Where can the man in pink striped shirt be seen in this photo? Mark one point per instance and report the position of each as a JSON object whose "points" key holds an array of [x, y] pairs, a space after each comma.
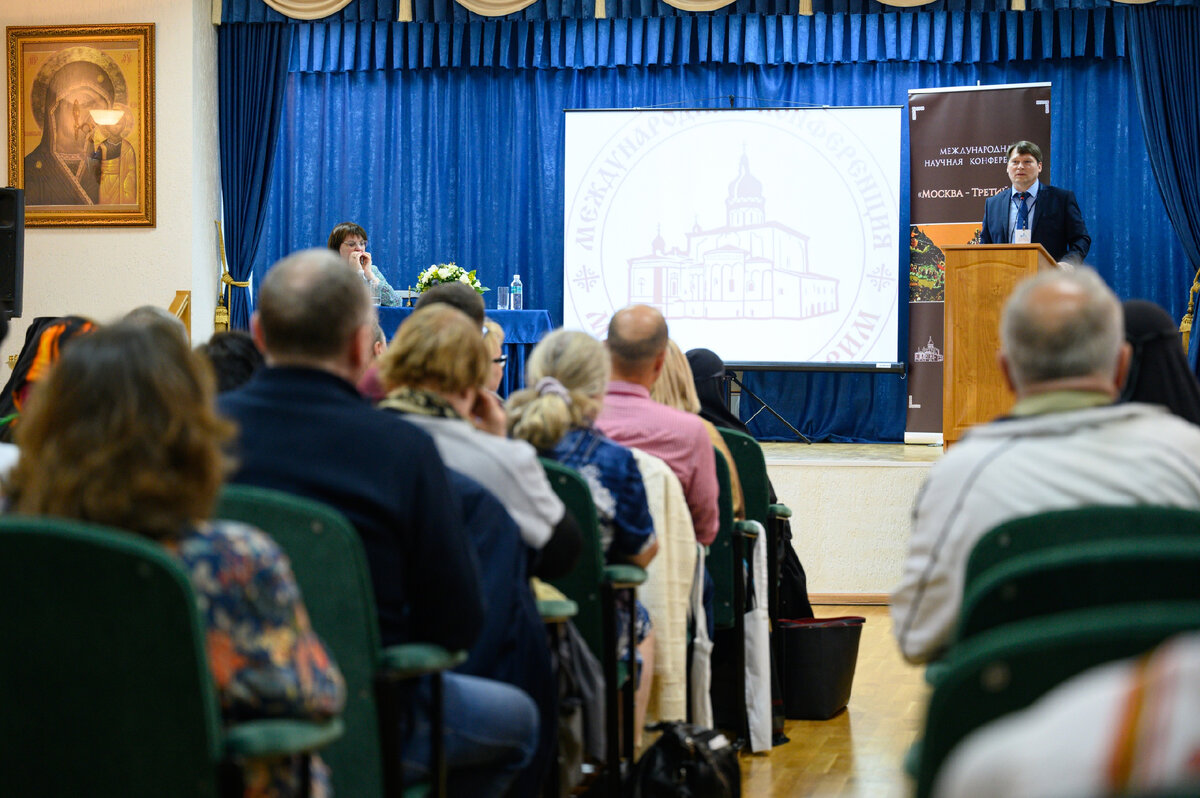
{"points": [[637, 344]]}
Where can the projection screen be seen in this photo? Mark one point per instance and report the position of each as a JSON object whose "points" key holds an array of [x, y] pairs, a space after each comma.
{"points": [[768, 236]]}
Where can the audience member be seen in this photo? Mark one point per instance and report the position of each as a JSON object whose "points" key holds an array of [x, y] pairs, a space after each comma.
{"points": [[1124, 728], [676, 387], [708, 371], [378, 341], [1159, 373], [306, 430], [493, 336], [1065, 444], [45, 339], [569, 372], [349, 241], [8, 451], [456, 294], [234, 356], [153, 314], [123, 432], [637, 343], [435, 371]]}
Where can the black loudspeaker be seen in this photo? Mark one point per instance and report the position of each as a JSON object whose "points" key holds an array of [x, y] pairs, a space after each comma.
{"points": [[12, 250]]}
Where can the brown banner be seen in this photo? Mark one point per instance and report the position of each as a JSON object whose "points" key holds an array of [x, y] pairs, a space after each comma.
{"points": [[957, 142]]}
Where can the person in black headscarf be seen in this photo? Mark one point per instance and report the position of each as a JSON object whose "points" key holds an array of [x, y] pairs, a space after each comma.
{"points": [[708, 370], [1159, 373]]}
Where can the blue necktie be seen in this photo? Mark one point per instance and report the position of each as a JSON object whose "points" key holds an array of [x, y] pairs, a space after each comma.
{"points": [[1023, 211]]}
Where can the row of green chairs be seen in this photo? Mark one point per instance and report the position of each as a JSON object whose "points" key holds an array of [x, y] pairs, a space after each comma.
{"points": [[594, 585], [107, 685], [729, 553], [1049, 595], [330, 566]]}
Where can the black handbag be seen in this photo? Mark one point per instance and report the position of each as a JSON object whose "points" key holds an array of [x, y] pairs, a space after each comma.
{"points": [[687, 761]]}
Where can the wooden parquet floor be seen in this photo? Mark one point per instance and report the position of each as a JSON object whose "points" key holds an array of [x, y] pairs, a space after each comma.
{"points": [[860, 752]]}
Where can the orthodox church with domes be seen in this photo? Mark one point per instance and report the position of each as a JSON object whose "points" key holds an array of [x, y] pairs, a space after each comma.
{"points": [[749, 268]]}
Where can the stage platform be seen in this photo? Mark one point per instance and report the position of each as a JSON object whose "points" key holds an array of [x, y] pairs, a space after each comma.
{"points": [[851, 510]]}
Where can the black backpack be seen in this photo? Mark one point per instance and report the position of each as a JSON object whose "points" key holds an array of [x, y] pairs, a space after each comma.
{"points": [[687, 761]]}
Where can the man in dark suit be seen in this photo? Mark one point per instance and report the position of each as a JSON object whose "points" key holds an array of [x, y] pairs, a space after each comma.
{"points": [[1033, 212], [305, 429]]}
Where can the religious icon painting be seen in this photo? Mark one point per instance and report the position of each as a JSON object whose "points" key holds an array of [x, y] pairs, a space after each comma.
{"points": [[81, 124]]}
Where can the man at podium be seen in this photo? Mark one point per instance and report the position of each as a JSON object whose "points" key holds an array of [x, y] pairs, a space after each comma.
{"points": [[1031, 212]]}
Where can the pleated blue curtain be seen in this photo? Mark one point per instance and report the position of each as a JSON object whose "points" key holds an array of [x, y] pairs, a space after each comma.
{"points": [[465, 165], [252, 69], [1165, 54]]}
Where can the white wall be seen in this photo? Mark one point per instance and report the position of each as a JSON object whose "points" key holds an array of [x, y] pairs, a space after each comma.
{"points": [[103, 272]]}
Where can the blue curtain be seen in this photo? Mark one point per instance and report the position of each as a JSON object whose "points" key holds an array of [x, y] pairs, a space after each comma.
{"points": [[466, 165], [1165, 49], [939, 36], [252, 67]]}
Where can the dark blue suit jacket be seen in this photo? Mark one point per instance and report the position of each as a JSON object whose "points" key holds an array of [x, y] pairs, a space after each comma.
{"points": [[310, 433], [1057, 223]]}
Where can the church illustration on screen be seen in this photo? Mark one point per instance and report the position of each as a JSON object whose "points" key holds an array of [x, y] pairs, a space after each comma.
{"points": [[750, 268]]}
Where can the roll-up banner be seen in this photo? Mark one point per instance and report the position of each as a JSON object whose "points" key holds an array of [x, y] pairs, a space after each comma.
{"points": [[958, 139]]}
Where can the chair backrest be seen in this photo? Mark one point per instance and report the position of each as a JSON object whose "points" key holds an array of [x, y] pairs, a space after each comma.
{"points": [[1010, 667], [1091, 574], [721, 560], [752, 471], [329, 564], [106, 679], [582, 585], [1063, 527]]}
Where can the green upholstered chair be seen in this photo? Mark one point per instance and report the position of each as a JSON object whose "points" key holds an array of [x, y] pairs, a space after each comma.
{"points": [[752, 471], [1065, 527], [594, 585], [726, 565], [330, 566], [1009, 667], [1089, 574], [107, 685]]}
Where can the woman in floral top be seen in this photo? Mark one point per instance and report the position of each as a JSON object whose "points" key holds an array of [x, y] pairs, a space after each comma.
{"points": [[124, 433], [568, 372]]}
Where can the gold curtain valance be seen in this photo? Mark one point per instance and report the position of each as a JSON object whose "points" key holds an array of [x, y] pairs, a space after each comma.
{"points": [[315, 9]]}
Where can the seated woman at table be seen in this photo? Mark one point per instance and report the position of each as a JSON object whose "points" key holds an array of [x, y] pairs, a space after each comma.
{"points": [[124, 433], [568, 373], [349, 241], [493, 336]]}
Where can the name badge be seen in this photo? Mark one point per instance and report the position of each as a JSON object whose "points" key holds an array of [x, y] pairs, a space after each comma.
{"points": [[1022, 237]]}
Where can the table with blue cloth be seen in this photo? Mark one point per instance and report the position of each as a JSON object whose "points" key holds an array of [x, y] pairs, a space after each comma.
{"points": [[522, 330]]}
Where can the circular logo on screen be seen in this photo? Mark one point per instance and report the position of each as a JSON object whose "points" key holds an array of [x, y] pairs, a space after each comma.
{"points": [[719, 218]]}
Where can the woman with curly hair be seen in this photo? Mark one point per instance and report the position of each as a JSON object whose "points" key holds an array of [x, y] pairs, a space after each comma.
{"points": [[123, 432]]}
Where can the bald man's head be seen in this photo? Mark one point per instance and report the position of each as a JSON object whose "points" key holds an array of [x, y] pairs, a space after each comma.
{"points": [[310, 306], [637, 339], [1061, 326]]}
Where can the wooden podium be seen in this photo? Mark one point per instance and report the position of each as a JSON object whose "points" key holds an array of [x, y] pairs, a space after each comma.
{"points": [[979, 278]]}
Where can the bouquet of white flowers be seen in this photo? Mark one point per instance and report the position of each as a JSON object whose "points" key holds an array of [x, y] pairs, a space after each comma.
{"points": [[447, 273]]}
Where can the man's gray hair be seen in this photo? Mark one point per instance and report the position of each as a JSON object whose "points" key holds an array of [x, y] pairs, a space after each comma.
{"points": [[311, 304], [1043, 342]]}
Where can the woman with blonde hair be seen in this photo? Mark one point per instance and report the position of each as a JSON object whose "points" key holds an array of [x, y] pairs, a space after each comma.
{"points": [[676, 388], [436, 371], [493, 336], [568, 372], [123, 432]]}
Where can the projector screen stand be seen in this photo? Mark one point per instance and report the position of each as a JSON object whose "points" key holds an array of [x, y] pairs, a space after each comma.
{"points": [[766, 407]]}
